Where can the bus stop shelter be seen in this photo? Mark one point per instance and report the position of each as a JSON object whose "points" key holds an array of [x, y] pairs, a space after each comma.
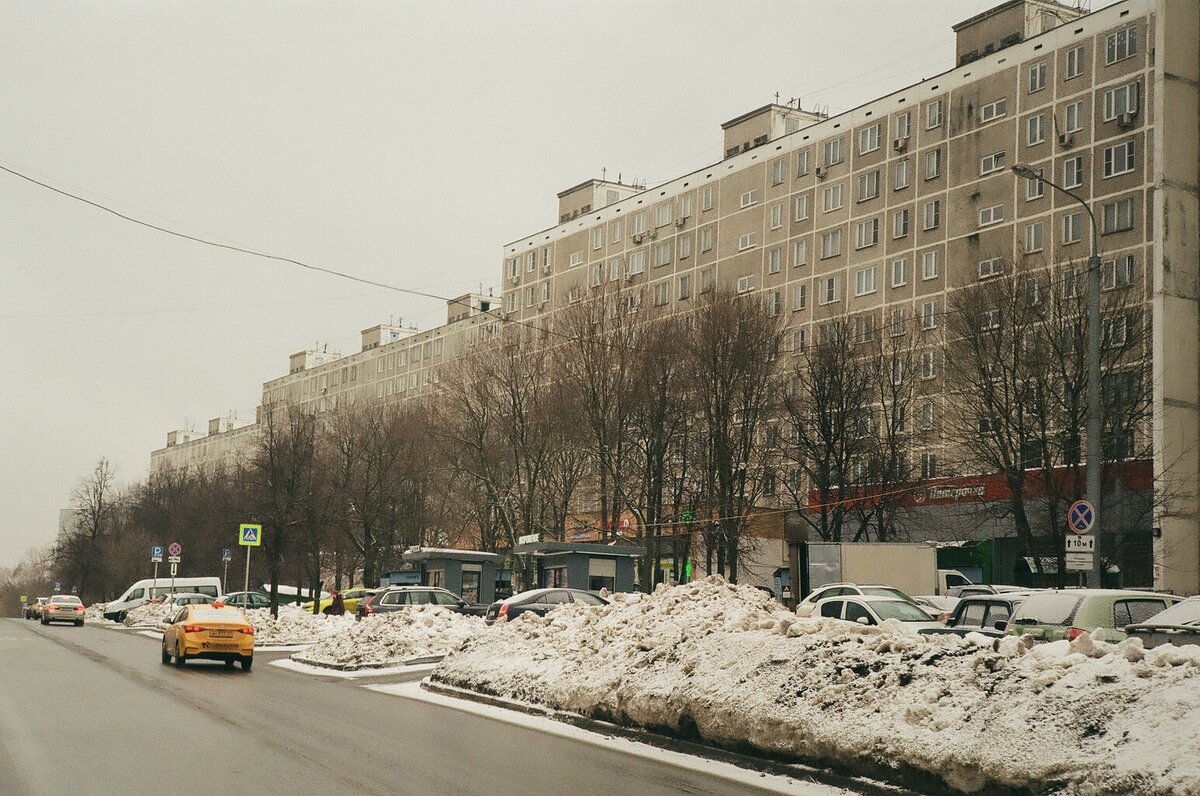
{"points": [[583, 565]]}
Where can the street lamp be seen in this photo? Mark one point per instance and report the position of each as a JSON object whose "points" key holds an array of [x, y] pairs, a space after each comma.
{"points": [[1095, 452]]}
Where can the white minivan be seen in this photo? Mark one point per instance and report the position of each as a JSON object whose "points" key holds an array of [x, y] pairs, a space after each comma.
{"points": [[148, 589]]}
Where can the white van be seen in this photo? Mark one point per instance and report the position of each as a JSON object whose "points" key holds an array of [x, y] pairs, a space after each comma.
{"points": [[148, 589]]}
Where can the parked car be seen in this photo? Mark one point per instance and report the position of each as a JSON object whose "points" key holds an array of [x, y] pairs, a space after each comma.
{"points": [[540, 602], [808, 604], [1179, 624], [869, 609], [209, 632], [148, 589], [34, 608], [982, 588], [987, 614], [63, 608], [938, 606], [246, 599], [1058, 614], [398, 598], [350, 598]]}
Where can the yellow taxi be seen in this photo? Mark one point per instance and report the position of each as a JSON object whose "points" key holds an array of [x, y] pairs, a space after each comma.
{"points": [[350, 597], [215, 632]]}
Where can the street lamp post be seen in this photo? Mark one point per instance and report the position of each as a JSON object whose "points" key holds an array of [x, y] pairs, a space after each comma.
{"points": [[1095, 452]]}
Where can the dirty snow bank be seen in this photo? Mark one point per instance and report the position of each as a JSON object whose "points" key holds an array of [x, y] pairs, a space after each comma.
{"points": [[294, 626], [95, 613], [728, 664], [389, 639], [148, 615]]}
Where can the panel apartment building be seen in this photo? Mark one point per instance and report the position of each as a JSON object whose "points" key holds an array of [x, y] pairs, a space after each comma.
{"points": [[878, 213]]}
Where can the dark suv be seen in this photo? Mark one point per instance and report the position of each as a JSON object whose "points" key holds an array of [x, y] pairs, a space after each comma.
{"points": [[398, 598]]}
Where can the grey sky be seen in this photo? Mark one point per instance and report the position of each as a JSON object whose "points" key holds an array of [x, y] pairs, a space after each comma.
{"points": [[401, 141]]}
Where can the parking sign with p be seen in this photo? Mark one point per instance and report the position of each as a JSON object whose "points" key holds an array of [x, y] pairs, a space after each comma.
{"points": [[249, 535]]}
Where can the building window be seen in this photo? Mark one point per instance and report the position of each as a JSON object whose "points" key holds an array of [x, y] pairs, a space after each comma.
{"points": [[993, 266], [777, 216], [928, 364], [831, 198], [774, 302], [706, 280], [802, 163], [1035, 129], [929, 465], [1073, 117], [1073, 172], [1037, 77], [990, 163], [900, 223], [799, 339], [614, 230], [833, 152], [904, 125], [799, 297], [706, 239], [530, 295], [662, 254], [749, 198], [638, 226], [662, 293], [664, 214], [1072, 227], [928, 415], [989, 320], [901, 174], [929, 264], [933, 213], [514, 302], [864, 281], [777, 171], [868, 139], [1117, 273], [801, 207], [1118, 216], [1118, 159], [831, 244], [706, 198], [991, 215], [1034, 238], [576, 258], [864, 328], [899, 324], [800, 253], [1074, 62], [745, 284], [685, 246], [685, 287], [993, 110], [867, 234], [868, 185], [596, 276], [897, 371], [830, 290], [1034, 189], [637, 262], [774, 260], [1120, 45], [746, 242], [685, 209], [598, 237], [545, 292], [531, 262], [900, 272], [933, 163], [933, 115], [1119, 100], [614, 269]]}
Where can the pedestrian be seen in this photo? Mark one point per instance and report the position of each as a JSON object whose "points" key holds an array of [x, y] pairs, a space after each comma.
{"points": [[339, 605]]}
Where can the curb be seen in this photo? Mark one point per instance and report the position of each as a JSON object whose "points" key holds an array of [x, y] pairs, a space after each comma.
{"points": [[349, 667], [795, 770]]}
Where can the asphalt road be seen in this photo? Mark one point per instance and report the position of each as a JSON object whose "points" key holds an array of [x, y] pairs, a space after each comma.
{"points": [[93, 711]]}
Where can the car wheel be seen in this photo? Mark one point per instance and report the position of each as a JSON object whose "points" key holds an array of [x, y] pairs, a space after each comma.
{"points": [[247, 663], [228, 664], [166, 656], [179, 659], [45, 621]]}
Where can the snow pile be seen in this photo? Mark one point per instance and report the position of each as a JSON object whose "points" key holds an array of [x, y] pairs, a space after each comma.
{"points": [[95, 613], [727, 664], [294, 626], [149, 615], [393, 638]]}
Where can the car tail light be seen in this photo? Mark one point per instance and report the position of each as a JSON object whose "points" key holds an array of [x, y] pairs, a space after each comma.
{"points": [[192, 628], [503, 612], [249, 631], [1075, 633], [79, 608]]}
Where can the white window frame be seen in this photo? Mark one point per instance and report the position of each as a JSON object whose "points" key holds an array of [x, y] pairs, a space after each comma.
{"points": [[637, 263], [774, 260], [778, 171], [777, 215], [576, 259], [991, 267], [865, 280], [1035, 129], [868, 185], [996, 109], [902, 174], [832, 152], [747, 241], [904, 125], [801, 208], [745, 283], [1118, 216], [1072, 228], [929, 313], [831, 243], [932, 211], [900, 223], [928, 365], [1035, 238], [1073, 116], [1120, 45], [866, 234], [991, 215], [1127, 159], [799, 297], [933, 114], [1073, 172], [664, 214], [685, 287], [802, 162], [933, 163], [1037, 77], [1117, 272], [832, 198], [830, 290], [1122, 99], [868, 139], [662, 253], [662, 293], [991, 163], [598, 237], [800, 252], [1035, 188], [748, 199], [1075, 62], [930, 265], [900, 272], [707, 237], [707, 198]]}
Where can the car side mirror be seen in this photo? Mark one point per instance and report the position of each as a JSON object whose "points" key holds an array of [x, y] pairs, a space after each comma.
{"points": [[950, 621], [862, 620], [1002, 625], [462, 603]]}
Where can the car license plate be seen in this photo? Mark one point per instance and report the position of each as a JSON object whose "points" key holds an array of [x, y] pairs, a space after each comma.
{"points": [[221, 633]]}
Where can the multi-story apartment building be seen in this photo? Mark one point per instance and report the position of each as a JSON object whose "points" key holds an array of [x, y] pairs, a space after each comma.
{"points": [[884, 210]]}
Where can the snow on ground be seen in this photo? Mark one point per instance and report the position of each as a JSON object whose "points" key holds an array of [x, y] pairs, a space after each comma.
{"points": [[726, 663], [95, 613], [393, 638], [295, 626], [148, 615]]}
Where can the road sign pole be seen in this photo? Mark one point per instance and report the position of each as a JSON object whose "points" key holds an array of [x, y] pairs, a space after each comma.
{"points": [[246, 584], [154, 582], [172, 579], [225, 579]]}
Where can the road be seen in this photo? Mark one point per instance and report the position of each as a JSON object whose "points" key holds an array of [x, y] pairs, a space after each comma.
{"points": [[93, 711]]}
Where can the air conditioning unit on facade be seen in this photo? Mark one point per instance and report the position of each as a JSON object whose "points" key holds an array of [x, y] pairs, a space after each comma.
{"points": [[638, 238], [679, 222], [1065, 139], [1125, 119], [900, 144], [821, 171]]}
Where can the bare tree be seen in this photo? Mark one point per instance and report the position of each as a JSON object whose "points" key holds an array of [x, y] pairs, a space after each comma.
{"points": [[93, 518]]}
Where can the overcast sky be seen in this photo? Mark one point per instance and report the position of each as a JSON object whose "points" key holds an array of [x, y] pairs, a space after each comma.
{"points": [[404, 142]]}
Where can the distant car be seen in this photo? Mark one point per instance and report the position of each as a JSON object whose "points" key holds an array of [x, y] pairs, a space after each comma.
{"points": [[987, 614], [806, 606], [974, 589], [210, 632], [1178, 625], [350, 598], [1053, 615], [939, 607], [246, 599], [34, 608], [398, 598], [540, 602], [63, 608], [188, 598], [868, 609]]}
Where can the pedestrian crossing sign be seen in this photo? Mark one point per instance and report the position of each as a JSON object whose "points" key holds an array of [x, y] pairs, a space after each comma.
{"points": [[249, 535]]}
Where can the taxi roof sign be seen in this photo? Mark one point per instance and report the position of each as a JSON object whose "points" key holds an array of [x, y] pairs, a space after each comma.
{"points": [[249, 535]]}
